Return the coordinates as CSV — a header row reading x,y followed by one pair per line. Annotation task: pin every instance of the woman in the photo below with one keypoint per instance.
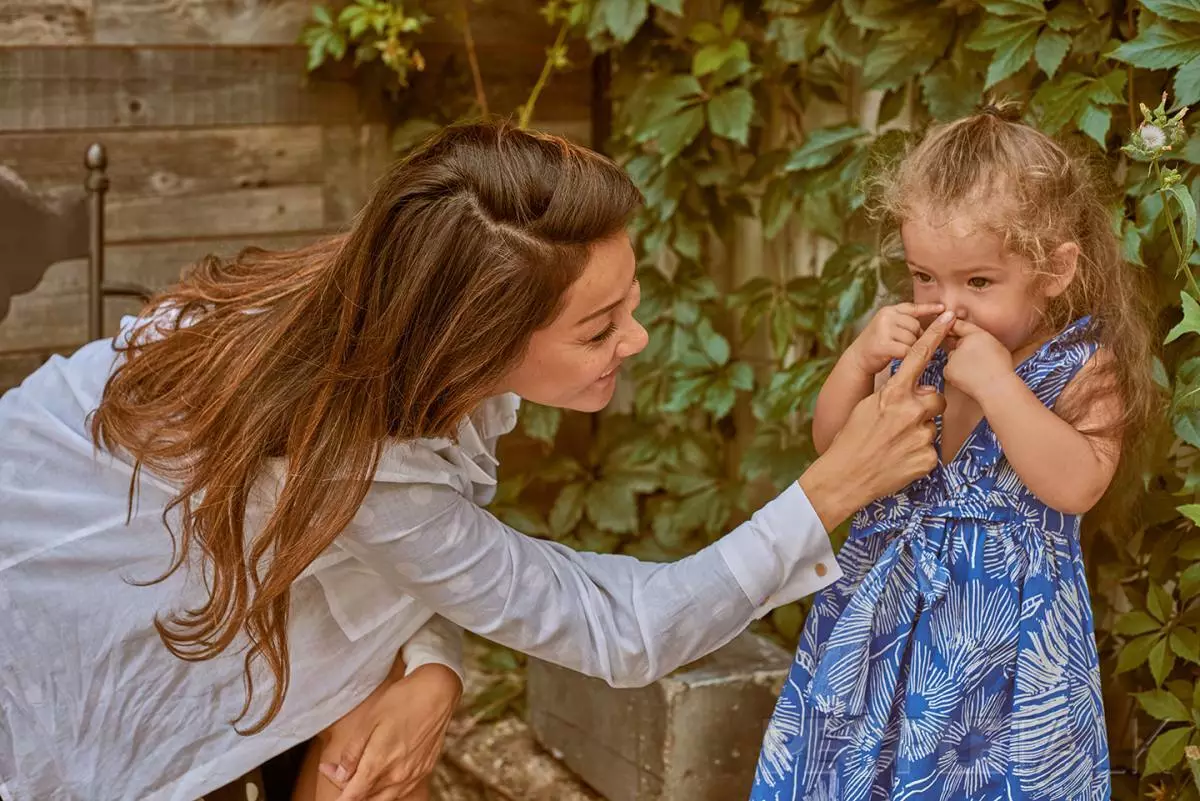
x,y
275,484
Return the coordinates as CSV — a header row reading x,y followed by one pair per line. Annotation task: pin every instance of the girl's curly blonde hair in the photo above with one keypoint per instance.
x,y
1032,192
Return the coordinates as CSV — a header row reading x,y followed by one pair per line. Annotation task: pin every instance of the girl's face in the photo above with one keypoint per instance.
x,y
967,269
572,363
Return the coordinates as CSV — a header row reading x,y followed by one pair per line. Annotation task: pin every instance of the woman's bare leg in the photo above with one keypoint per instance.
x,y
327,746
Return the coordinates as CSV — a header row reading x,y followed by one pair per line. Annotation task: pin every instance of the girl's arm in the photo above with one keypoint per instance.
x,y
889,335
847,384
1064,467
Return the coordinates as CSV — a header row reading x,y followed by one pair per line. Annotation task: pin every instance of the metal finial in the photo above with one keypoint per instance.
x,y
96,157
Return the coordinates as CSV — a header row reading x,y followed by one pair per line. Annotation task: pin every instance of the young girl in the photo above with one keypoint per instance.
x,y
956,658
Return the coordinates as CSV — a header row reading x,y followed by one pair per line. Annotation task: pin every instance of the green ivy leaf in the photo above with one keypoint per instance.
x,y
612,505
822,146
1161,660
1178,10
905,50
1069,15
729,114
1187,208
951,90
1052,47
788,620
795,38
1161,46
1134,623
1189,582
716,347
673,6
1136,651
709,59
679,132
540,422
1012,42
1167,750
1190,324
1186,643
1187,83
321,15
567,509
1192,512
1163,705
623,17
1095,122
1015,8
1158,602
719,398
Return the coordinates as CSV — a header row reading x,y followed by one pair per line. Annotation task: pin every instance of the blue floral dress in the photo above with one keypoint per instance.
x,y
956,658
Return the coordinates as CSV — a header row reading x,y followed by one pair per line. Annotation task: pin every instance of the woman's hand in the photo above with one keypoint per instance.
x,y
398,738
886,443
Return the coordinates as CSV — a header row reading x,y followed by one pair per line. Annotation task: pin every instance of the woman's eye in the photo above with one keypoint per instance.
x,y
603,336
979,283
923,278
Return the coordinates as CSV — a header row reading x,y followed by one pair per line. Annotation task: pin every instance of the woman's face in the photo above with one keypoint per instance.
x,y
572,363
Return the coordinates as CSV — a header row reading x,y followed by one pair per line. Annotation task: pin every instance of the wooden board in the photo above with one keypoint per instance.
x,y
171,162
272,210
15,367
53,316
45,22
356,157
46,88
156,22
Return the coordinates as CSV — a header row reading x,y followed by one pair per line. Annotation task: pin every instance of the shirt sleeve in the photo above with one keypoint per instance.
x,y
610,616
438,642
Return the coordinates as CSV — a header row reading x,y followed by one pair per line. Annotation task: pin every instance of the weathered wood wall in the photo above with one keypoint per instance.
x,y
217,138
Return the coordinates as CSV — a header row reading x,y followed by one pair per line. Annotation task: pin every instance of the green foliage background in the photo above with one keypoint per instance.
x,y
748,127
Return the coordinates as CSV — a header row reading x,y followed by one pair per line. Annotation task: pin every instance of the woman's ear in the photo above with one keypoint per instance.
x,y
1064,261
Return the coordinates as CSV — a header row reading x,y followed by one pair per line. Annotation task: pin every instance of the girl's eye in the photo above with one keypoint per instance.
x,y
603,336
979,283
923,278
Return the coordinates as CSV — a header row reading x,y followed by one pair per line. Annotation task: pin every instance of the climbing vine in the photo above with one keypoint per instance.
x,y
748,127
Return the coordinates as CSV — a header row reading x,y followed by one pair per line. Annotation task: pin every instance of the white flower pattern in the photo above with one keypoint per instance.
x,y
956,658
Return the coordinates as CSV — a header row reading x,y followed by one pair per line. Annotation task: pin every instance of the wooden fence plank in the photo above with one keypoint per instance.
x,y
53,316
156,22
355,158
243,211
170,162
46,88
45,22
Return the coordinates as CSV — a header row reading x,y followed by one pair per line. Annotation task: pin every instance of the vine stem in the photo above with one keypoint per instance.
x,y
547,68
473,58
1195,289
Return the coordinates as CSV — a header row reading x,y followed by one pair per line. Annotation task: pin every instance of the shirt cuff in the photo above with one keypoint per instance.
x,y
438,642
782,553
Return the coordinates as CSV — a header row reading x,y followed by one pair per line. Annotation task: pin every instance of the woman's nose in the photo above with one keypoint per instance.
x,y
634,342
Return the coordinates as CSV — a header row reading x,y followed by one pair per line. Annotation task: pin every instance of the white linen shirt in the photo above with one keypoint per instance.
x,y
94,708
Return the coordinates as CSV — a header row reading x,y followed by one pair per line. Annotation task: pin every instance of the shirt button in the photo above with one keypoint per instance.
x,y
820,569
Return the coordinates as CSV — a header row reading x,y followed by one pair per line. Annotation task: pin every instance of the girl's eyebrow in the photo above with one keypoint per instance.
x,y
976,268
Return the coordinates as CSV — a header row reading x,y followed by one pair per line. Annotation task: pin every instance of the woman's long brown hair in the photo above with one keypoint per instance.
x,y
392,331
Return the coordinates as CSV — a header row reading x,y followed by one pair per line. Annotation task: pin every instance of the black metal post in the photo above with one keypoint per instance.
x,y
96,161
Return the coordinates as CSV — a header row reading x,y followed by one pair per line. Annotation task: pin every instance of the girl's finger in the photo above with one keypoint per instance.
x,y
920,309
964,329
909,325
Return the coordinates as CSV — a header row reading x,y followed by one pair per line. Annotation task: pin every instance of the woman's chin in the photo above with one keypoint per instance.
x,y
596,397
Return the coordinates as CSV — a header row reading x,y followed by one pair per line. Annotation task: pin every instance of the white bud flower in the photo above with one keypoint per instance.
x,y
1153,136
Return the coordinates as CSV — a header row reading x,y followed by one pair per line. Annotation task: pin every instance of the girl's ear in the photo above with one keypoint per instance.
x,y
1064,261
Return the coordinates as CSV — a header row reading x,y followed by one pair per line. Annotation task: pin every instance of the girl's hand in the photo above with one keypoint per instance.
x,y
978,362
889,335
399,738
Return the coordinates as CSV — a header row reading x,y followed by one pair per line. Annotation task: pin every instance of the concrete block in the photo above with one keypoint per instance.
x,y
692,736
